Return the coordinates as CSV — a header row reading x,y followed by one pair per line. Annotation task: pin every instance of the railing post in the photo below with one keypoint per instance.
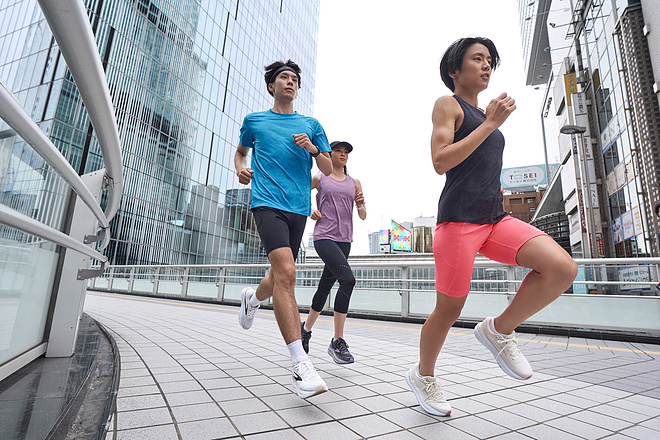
x,y
131,279
184,282
156,279
511,282
111,276
405,291
221,284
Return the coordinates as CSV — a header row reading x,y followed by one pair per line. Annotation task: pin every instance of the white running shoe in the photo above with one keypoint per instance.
x,y
247,312
505,349
428,393
307,381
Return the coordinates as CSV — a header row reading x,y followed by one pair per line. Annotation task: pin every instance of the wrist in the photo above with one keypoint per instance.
x,y
360,207
318,151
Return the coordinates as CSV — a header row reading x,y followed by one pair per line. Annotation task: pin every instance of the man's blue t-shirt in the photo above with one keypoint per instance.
x,y
282,176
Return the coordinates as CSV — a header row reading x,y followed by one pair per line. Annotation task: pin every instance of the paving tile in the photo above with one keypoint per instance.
x,y
206,429
408,418
262,422
477,427
202,411
143,418
325,431
282,434
162,432
579,428
342,409
304,415
140,402
370,425
441,430
243,406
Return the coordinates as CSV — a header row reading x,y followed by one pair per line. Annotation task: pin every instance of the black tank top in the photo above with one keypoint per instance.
x,y
472,192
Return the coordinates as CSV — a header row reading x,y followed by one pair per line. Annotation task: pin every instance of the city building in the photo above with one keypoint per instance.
x,y
600,119
182,75
522,205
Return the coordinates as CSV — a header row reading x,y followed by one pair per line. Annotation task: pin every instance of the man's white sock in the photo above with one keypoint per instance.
x,y
296,351
254,302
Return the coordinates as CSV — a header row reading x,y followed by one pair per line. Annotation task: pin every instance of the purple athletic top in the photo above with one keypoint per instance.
x,y
335,201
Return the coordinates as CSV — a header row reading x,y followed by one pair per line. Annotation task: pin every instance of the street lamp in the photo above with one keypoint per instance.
x,y
572,129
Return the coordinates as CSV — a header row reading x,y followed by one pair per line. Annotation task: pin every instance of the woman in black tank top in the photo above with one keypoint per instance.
x,y
467,146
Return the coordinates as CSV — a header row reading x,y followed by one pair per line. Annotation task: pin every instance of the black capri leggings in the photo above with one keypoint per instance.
x,y
334,254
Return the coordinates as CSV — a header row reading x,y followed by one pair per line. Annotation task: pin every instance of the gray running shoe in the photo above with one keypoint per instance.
x,y
338,351
305,336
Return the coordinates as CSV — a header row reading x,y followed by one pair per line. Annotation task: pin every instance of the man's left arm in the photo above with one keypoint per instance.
x,y
323,160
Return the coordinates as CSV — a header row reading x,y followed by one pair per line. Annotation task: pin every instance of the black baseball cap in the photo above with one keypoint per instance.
x,y
339,143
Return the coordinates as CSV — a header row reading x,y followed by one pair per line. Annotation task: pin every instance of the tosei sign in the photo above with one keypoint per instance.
x,y
527,176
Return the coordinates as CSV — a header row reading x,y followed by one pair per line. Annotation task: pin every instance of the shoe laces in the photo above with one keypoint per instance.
x,y
509,346
433,391
340,345
305,369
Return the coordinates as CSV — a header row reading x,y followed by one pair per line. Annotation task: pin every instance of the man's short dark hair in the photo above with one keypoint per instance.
x,y
272,71
452,60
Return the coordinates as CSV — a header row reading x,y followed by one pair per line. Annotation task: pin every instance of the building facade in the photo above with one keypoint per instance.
x,y
522,205
182,76
600,117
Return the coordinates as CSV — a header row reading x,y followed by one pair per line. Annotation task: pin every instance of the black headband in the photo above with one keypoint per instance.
x,y
280,70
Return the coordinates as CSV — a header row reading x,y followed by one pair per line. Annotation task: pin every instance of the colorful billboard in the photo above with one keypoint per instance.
x,y
384,236
400,238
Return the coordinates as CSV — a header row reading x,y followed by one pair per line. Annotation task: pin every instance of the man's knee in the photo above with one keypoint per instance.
x,y
285,274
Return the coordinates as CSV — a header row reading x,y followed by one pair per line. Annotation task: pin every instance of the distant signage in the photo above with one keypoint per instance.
x,y
527,176
636,274
570,84
610,134
384,236
400,238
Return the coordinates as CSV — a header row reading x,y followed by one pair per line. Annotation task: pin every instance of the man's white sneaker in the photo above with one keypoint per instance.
x,y
247,312
505,349
428,393
307,381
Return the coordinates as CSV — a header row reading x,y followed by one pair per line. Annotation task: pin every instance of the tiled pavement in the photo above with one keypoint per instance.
x,y
188,371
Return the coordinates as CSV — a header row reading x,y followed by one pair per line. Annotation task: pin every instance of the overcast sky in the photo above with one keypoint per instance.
x,y
377,79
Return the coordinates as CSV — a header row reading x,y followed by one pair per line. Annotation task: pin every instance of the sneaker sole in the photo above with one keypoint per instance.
x,y
421,402
241,313
307,394
486,343
337,359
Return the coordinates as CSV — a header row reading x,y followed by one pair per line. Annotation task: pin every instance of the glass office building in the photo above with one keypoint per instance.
x,y
182,75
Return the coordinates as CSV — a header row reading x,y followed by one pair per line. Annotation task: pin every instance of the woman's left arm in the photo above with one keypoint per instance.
x,y
359,200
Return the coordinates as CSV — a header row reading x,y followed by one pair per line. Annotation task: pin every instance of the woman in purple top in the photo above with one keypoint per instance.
x,y
333,235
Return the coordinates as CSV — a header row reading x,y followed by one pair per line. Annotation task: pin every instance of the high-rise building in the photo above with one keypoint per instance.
x,y
182,76
601,120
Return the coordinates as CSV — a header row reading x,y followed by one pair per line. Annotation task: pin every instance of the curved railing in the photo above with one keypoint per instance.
x,y
629,298
70,26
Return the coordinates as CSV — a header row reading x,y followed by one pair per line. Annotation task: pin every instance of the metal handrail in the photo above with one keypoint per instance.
x,y
27,224
17,118
69,23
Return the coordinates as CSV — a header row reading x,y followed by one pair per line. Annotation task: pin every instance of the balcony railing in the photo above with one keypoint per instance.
x,y
630,301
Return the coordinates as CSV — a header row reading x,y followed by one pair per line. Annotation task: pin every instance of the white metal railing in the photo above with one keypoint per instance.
x,y
69,23
631,299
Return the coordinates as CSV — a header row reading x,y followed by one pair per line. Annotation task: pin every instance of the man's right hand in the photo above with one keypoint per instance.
x,y
315,215
245,175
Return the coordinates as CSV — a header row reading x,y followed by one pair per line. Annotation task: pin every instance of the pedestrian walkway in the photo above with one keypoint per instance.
x,y
189,371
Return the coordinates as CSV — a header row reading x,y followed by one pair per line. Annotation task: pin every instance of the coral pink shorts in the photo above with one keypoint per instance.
x,y
456,244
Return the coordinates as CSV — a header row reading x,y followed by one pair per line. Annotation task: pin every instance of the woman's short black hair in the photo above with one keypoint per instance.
x,y
273,68
452,60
